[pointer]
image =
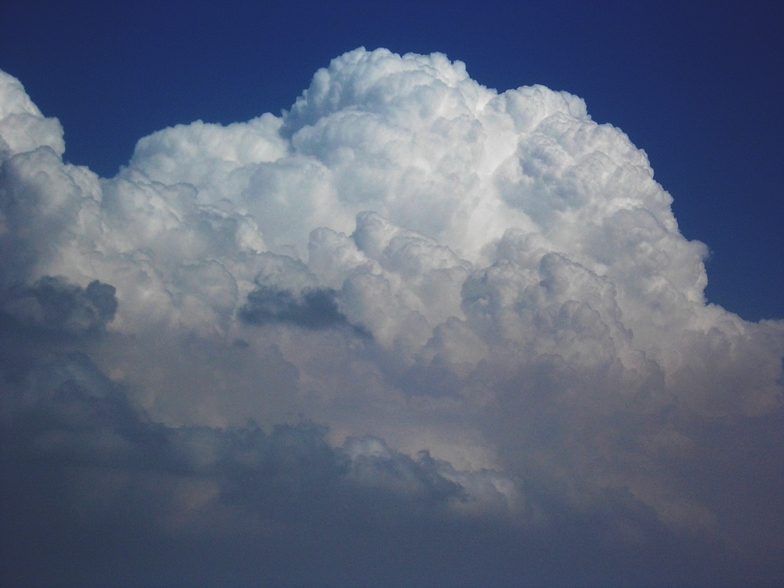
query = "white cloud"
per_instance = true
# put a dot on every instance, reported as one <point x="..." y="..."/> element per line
<point x="405" y="255"/>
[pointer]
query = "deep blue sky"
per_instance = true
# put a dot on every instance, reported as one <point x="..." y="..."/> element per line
<point x="699" y="86"/>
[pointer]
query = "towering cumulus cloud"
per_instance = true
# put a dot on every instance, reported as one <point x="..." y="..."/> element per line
<point x="411" y="332"/>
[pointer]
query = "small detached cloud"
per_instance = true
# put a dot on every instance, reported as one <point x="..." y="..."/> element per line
<point x="410" y="332"/>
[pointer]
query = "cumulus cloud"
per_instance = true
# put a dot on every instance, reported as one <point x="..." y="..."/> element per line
<point x="411" y="314"/>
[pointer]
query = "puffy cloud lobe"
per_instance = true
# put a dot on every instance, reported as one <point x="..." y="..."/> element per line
<point x="22" y="126"/>
<point x="484" y="296"/>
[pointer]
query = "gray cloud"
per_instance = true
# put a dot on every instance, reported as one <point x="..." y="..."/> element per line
<point x="52" y="304"/>
<point x="212" y="498"/>
<point x="311" y="309"/>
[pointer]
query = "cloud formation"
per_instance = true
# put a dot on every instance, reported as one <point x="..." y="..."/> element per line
<point x="410" y="323"/>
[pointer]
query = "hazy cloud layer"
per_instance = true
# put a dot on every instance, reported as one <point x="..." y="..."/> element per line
<point x="411" y="332"/>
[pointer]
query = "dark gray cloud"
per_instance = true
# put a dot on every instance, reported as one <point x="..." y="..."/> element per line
<point x="309" y="309"/>
<point x="52" y="304"/>
<point x="105" y="496"/>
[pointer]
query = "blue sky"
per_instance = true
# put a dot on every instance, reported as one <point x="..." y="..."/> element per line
<point x="318" y="315"/>
<point x="697" y="85"/>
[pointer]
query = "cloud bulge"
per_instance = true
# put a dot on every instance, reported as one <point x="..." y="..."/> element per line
<point x="408" y="320"/>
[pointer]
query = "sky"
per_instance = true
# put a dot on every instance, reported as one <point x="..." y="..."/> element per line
<point x="363" y="294"/>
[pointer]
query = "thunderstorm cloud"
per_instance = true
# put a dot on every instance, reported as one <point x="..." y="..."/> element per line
<point x="410" y="332"/>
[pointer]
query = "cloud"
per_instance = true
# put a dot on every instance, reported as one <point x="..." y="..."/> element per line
<point x="52" y="304"/>
<point x="286" y="293"/>
<point x="313" y="309"/>
<point x="411" y="323"/>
